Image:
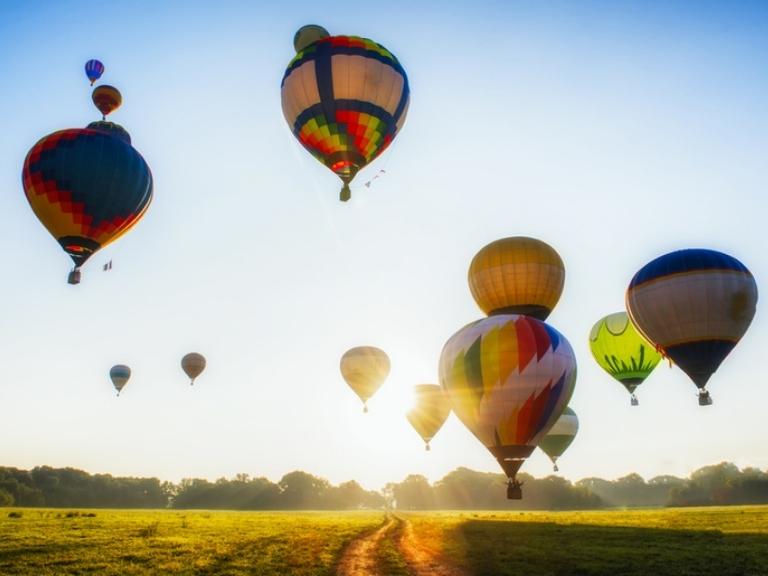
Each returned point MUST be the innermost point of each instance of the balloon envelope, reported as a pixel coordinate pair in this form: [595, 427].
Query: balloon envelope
[508, 377]
[193, 365]
[517, 275]
[560, 436]
[93, 70]
[365, 368]
[106, 98]
[307, 35]
[430, 411]
[119, 374]
[87, 188]
[693, 305]
[345, 99]
[622, 351]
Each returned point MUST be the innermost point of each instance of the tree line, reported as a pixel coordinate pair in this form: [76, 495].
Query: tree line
[720, 484]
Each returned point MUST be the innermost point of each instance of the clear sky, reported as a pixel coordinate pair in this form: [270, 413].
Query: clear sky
[614, 131]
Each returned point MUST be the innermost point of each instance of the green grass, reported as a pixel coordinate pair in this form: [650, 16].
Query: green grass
[729, 541]
[676, 542]
[117, 542]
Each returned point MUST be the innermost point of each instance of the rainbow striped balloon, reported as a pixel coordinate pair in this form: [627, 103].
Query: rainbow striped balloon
[509, 378]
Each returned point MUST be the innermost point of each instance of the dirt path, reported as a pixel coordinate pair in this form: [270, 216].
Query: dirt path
[359, 558]
[422, 559]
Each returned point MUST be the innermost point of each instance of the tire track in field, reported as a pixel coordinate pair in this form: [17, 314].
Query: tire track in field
[422, 559]
[359, 557]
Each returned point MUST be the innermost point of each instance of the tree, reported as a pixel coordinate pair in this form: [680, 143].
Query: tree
[302, 491]
[6, 498]
[414, 493]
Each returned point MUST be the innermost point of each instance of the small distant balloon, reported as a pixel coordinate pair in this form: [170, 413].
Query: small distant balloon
[365, 368]
[308, 35]
[107, 99]
[560, 436]
[193, 365]
[119, 374]
[429, 412]
[94, 69]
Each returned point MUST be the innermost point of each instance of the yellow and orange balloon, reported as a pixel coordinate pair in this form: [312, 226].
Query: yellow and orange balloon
[107, 99]
[365, 368]
[517, 275]
[430, 411]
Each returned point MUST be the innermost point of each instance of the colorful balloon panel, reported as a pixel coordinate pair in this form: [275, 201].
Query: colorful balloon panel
[345, 99]
[430, 410]
[622, 351]
[694, 305]
[508, 377]
[517, 275]
[561, 435]
[365, 368]
[87, 188]
[93, 70]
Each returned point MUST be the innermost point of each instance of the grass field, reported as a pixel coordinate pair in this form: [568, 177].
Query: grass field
[723, 541]
[122, 542]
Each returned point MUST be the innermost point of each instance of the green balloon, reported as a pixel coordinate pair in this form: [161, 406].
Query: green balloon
[621, 351]
[560, 435]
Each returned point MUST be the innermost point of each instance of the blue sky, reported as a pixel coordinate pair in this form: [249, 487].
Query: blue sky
[613, 131]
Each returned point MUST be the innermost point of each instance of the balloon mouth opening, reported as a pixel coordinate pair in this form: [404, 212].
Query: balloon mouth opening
[78, 248]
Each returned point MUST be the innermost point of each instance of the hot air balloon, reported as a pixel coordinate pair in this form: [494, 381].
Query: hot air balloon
[193, 365]
[88, 187]
[345, 99]
[517, 275]
[560, 436]
[107, 99]
[94, 69]
[119, 374]
[622, 351]
[509, 377]
[430, 411]
[365, 368]
[694, 306]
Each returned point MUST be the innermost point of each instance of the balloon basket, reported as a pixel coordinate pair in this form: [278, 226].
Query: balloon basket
[74, 277]
[704, 398]
[345, 193]
[514, 491]
[634, 401]
[427, 448]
